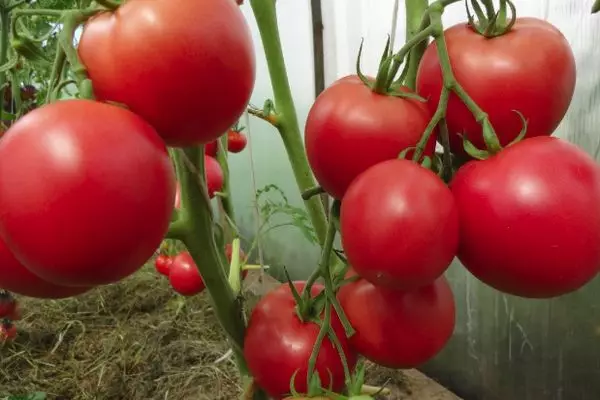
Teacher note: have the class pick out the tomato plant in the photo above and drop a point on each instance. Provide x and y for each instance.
(399, 225)
(530, 226)
(118, 47)
(274, 321)
(93, 195)
(350, 128)
(163, 264)
(399, 329)
(506, 73)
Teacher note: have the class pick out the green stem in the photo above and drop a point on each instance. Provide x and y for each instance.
(227, 201)
(4, 36)
(234, 269)
(110, 4)
(399, 57)
(199, 239)
(415, 10)
(58, 66)
(266, 18)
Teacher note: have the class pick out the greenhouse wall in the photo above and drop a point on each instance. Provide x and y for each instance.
(503, 347)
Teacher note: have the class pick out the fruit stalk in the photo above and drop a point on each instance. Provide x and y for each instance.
(415, 10)
(288, 127)
(227, 201)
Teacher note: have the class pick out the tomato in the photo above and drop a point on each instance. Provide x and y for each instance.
(190, 80)
(7, 303)
(18, 279)
(506, 73)
(399, 329)
(236, 141)
(211, 148)
(8, 331)
(529, 218)
(214, 176)
(86, 192)
(399, 225)
(350, 128)
(184, 275)
(163, 264)
(290, 343)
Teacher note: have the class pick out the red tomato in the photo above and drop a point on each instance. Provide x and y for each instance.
(399, 225)
(529, 218)
(214, 176)
(18, 279)
(290, 342)
(399, 329)
(8, 331)
(163, 264)
(506, 73)
(7, 302)
(190, 80)
(210, 149)
(184, 275)
(350, 128)
(93, 196)
(236, 141)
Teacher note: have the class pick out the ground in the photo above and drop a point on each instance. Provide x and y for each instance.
(138, 340)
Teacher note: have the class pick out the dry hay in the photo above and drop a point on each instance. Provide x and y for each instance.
(136, 340)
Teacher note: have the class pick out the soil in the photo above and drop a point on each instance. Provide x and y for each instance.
(138, 340)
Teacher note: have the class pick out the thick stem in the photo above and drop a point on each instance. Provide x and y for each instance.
(226, 202)
(266, 18)
(415, 10)
(4, 35)
(199, 239)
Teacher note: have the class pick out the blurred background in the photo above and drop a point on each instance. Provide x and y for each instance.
(504, 348)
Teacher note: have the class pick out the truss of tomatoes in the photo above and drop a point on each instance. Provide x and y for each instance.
(87, 188)
(525, 221)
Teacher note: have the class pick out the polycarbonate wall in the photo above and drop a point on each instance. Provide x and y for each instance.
(504, 348)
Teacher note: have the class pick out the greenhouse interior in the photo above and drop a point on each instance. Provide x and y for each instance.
(293, 199)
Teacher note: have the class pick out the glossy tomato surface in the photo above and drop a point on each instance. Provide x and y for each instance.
(277, 344)
(211, 148)
(214, 175)
(530, 218)
(506, 73)
(86, 192)
(184, 275)
(190, 80)
(399, 329)
(236, 141)
(350, 128)
(163, 263)
(17, 279)
(399, 225)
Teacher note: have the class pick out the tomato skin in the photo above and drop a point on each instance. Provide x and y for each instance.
(503, 74)
(94, 198)
(191, 81)
(211, 148)
(236, 141)
(214, 176)
(163, 264)
(274, 321)
(350, 128)
(529, 218)
(399, 329)
(399, 225)
(15, 278)
(184, 275)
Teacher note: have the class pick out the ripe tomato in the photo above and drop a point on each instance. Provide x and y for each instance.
(214, 175)
(190, 80)
(529, 218)
(236, 141)
(184, 275)
(290, 344)
(210, 149)
(399, 225)
(163, 264)
(18, 279)
(350, 128)
(8, 331)
(506, 73)
(7, 303)
(86, 192)
(399, 329)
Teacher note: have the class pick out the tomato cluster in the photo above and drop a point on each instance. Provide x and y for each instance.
(183, 273)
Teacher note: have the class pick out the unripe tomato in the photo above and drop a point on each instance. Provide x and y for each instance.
(530, 218)
(86, 192)
(399, 225)
(163, 264)
(184, 275)
(236, 141)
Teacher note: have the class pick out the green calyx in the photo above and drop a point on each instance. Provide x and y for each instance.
(491, 140)
(491, 23)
